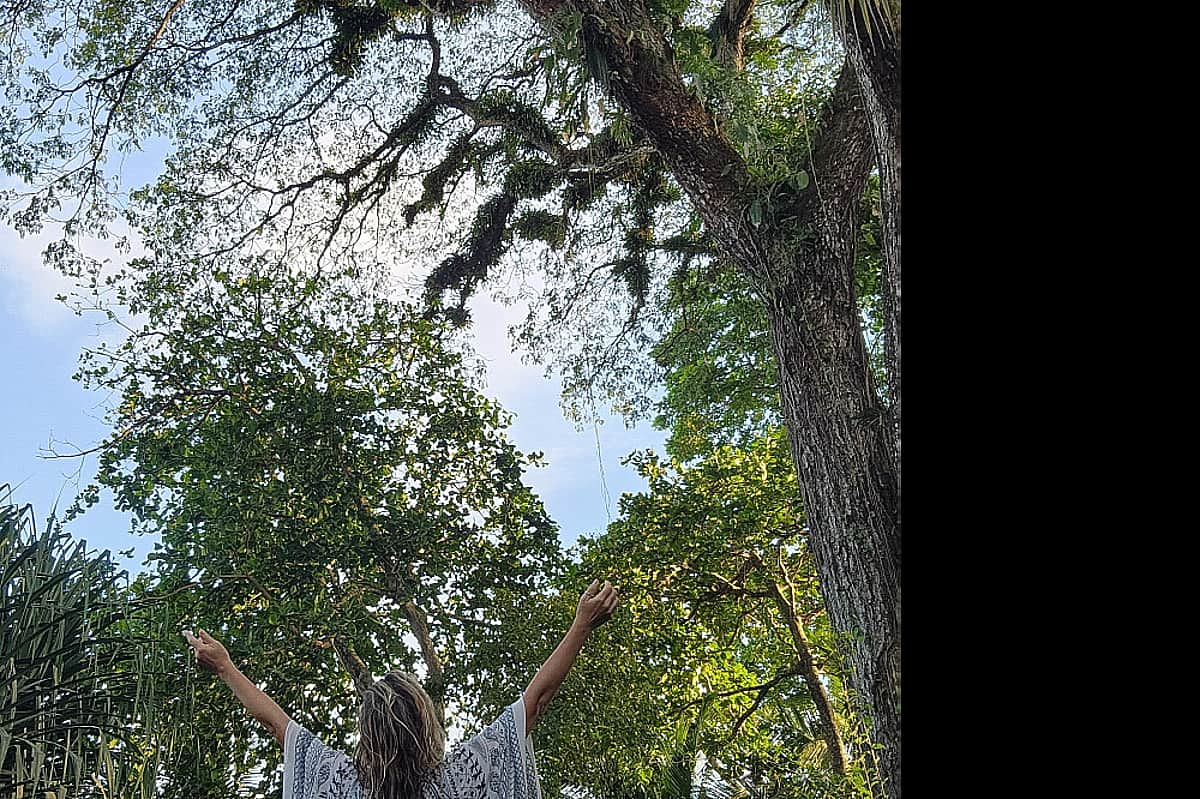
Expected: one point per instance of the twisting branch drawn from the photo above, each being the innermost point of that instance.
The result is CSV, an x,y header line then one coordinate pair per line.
x,y
807,667
523,121
353,664
643,77
761,689
758,700
163,25
728,30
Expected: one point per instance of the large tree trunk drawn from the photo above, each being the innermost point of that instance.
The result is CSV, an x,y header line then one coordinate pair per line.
x,y
873,52
841,447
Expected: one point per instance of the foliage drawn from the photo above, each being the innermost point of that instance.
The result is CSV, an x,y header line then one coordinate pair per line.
x,y
681,670
317,465
79,715
719,365
717,356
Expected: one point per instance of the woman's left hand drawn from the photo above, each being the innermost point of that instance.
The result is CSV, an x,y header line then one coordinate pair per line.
x,y
210,654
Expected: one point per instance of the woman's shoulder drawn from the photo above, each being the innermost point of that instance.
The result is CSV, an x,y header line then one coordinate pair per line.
x,y
465,770
314,770
462,772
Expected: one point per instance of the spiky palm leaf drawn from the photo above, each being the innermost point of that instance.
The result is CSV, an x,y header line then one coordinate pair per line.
x,y
867,13
75,657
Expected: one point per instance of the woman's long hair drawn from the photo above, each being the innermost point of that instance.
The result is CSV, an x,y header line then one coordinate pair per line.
x,y
400,741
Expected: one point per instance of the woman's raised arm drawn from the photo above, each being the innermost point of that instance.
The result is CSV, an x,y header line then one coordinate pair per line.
x,y
212,656
595,607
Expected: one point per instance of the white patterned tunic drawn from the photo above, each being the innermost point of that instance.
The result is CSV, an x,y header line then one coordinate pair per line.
x,y
496,764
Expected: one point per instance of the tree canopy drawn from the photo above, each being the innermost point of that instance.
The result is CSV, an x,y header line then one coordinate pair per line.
x,y
350,133
582,152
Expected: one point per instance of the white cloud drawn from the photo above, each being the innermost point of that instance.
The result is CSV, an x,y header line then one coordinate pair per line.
x,y
508,379
28,287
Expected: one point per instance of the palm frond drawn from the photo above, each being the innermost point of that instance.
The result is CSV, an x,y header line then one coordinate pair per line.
x,y
76,676
868,13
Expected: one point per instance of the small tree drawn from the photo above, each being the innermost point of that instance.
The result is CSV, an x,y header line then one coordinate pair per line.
x,y
722,658
335,498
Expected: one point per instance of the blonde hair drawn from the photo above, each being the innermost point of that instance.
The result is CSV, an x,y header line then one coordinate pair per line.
x,y
400,739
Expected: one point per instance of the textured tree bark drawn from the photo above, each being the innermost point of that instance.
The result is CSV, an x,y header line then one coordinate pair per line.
x,y
728,31
841,446
873,53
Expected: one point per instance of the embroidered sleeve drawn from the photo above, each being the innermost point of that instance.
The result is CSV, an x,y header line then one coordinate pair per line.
x,y
495,764
312,770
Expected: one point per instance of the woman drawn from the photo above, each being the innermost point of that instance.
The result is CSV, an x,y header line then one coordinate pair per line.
x,y
400,748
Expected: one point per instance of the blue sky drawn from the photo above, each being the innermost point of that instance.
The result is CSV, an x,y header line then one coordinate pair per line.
x,y
42,408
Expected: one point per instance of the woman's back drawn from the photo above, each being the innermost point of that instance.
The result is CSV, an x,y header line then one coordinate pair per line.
x,y
401,741
498,763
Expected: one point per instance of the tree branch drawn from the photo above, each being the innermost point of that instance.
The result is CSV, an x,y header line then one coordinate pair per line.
x,y
840,158
353,664
806,666
760,689
518,121
643,77
728,30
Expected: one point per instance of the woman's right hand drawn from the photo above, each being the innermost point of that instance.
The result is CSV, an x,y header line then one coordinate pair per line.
x,y
596,605
210,654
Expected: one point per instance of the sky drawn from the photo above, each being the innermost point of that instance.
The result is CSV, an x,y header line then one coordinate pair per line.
x,y
43,410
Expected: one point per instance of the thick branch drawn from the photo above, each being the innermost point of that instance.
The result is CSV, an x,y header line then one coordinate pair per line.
x,y
435,680
525,123
644,79
872,39
839,162
418,623
728,30
808,669
353,664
